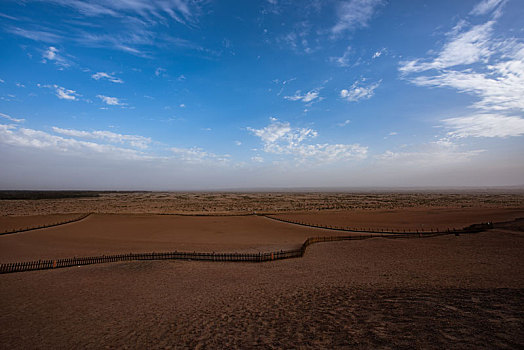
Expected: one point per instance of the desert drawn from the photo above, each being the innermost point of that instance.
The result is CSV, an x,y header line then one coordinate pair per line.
x,y
262,174
447,290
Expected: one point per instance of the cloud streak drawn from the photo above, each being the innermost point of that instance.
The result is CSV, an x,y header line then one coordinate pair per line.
x,y
107,76
354,14
8,117
112,101
485,125
133,140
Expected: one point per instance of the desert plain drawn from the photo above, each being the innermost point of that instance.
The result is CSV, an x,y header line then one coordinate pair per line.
x,y
445,291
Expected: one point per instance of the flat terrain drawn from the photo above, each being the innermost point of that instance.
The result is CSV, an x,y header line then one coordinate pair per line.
x,y
231,203
442,292
405,219
13,223
107,234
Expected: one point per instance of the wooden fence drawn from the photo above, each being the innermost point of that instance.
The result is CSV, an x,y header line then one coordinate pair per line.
x,y
470,229
224,257
81,217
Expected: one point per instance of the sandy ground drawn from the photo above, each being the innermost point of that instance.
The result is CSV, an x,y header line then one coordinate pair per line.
x,y
101,234
411,218
174,202
441,292
11,223
105,234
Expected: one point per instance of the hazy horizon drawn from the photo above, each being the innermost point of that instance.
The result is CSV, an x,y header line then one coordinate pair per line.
x,y
213,95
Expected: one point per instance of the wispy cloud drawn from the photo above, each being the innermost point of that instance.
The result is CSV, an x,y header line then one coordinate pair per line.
x,y
281,138
359,91
344,123
378,53
198,155
112,101
133,140
432,154
342,61
8,117
160,71
307,97
53,54
487,6
354,14
110,77
37,35
182,11
471,46
31,138
477,62
485,125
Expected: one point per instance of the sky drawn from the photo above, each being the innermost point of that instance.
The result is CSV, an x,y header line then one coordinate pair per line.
x,y
218,94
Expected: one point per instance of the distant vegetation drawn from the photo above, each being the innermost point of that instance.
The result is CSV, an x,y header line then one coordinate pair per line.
x,y
46,194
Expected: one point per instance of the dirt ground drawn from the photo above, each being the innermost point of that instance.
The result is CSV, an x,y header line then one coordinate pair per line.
x,y
231,203
409,219
441,292
13,223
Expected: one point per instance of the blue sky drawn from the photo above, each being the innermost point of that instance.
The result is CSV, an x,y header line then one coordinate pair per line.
x,y
177,94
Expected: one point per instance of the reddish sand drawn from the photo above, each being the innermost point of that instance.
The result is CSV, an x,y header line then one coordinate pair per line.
x,y
101,234
104,234
13,223
411,219
441,292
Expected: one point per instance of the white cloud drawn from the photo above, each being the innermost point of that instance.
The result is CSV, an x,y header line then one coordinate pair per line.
x,y
308,97
485,125
433,154
182,105
477,62
112,101
52,54
30,138
8,117
377,54
353,14
37,35
2,81
182,11
474,45
133,140
486,6
65,94
198,155
160,71
282,139
344,123
342,61
110,77
238,143
257,159
358,92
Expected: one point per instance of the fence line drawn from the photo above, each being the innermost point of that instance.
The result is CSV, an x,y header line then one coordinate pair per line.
x,y
81,217
470,229
199,256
